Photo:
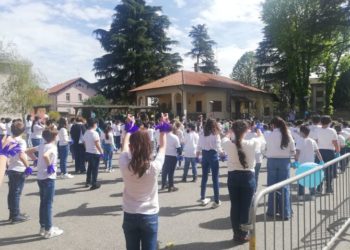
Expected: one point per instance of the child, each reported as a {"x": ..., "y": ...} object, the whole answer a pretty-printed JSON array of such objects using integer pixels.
[
  {"x": 93, "y": 153},
  {"x": 306, "y": 148},
  {"x": 63, "y": 148},
  {"x": 47, "y": 168},
  {"x": 342, "y": 145},
  {"x": 17, "y": 166},
  {"x": 140, "y": 195},
  {"x": 190, "y": 145},
  {"x": 108, "y": 147}
]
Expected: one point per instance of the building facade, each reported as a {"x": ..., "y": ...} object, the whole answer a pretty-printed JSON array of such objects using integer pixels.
[
  {"x": 65, "y": 96},
  {"x": 191, "y": 93},
  {"x": 318, "y": 93}
]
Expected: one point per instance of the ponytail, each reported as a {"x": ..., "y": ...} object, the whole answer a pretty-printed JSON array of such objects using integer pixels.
[
  {"x": 279, "y": 123},
  {"x": 239, "y": 128}
]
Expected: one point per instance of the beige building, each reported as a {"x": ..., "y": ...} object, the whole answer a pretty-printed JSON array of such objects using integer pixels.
[
  {"x": 65, "y": 96},
  {"x": 318, "y": 90},
  {"x": 191, "y": 94}
]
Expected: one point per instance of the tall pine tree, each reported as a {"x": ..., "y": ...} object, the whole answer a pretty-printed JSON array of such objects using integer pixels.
[
  {"x": 202, "y": 50},
  {"x": 138, "y": 50}
]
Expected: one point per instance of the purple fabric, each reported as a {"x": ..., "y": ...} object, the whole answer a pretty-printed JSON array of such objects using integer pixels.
[
  {"x": 11, "y": 149},
  {"x": 50, "y": 169},
  {"x": 164, "y": 127},
  {"x": 35, "y": 163},
  {"x": 131, "y": 128},
  {"x": 28, "y": 171},
  {"x": 180, "y": 158},
  {"x": 198, "y": 160},
  {"x": 223, "y": 157}
]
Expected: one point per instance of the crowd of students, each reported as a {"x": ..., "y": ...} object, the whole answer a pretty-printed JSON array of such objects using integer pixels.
[{"x": 151, "y": 148}]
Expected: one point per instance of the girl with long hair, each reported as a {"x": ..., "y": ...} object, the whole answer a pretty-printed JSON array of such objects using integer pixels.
[
  {"x": 63, "y": 147},
  {"x": 241, "y": 178},
  {"x": 190, "y": 145},
  {"x": 140, "y": 177},
  {"x": 280, "y": 147},
  {"x": 107, "y": 139},
  {"x": 209, "y": 145}
]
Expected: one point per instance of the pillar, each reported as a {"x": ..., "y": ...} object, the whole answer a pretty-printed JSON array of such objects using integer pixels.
[
  {"x": 173, "y": 103},
  {"x": 184, "y": 101}
]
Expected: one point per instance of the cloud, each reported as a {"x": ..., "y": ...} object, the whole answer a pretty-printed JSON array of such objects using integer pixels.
[
  {"x": 75, "y": 10},
  {"x": 180, "y": 3}
]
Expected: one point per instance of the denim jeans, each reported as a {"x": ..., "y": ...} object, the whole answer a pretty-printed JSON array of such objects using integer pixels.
[
  {"x": 79, "y": 155},
  {"x": 63, "y": 155},
  {"x": 47, "y": 192},
  {"x": 330, "y": 172},
  {"x": 278, "y": 169},
  {"x": 117, "y": 142},
  {"x": 16, "y": 183},
  {"x": 193, "y": 163},
  {"x": 210, "y": 161},
  {"x": 257, "y": 172},
  {"x": 35, "y": 143},
  {"x": 108, "y": 155},
  {"x": 93, "y": 161},
  {"x": 140, "y": 231},
  {"x": 241, "y": 187},
  {"x": 169, "y": 170}
]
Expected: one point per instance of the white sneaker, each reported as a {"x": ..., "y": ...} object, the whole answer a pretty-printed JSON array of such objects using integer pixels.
[
  {"x": 42, "y": 231},
  {"x": 67, "y": 176},
  {"x": 53, "y": 232},
  {"x": 216, "y": 205},
  {"x": 205, "y": 201}
]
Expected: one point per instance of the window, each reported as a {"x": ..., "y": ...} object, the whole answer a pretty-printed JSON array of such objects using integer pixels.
[
  {"x": 68, "y": 97},
  {"x": 80, "y": 97},
  {"x": 319, "y": 93},
  {"x": 199, "y": 106},
  {"x": 217, "y": 106}
]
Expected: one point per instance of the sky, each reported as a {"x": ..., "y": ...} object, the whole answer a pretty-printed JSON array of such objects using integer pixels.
[{"x": 57, "y": 35}]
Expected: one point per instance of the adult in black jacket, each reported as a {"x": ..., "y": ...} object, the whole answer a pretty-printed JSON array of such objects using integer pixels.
[{"x": 76, "y": 132}]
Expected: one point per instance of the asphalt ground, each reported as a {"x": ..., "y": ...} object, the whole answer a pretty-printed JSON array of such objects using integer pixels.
[{"x": 93, "y": 219}]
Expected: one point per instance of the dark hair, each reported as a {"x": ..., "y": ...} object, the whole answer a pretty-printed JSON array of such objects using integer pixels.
[
  {"x": 7, "y": 120},
  {"x": 62, "y": 123},
  {"x": 305, "y": 130},
  {"x": 79, "y": 119},
  {"x": 72, "y": 120},
  {"x": 49, "y": 134},
  {"x": 36, "y": 120},
  {"x": 316, "y": 119},
  {"x": 17, "y": 128},
  {"x": 211, "y": 127},
  {"x": 239, "y": 127},
  {"x": 91, "y": 122},
  {"x": 337, "y": 128},
  {"x": 141, "y": 151},
  {"x": 191, "y": 127},
  {"x": 279, "y": 123},
  {"x": 29, "y": 117},
  {"x": 107, "y": 130},
  {"x": 325, "y": 120},
  {"x": 345, "y": 124}
]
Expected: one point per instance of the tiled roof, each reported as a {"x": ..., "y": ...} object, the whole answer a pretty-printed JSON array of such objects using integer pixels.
[
  {"x": 197, "y": 79},
  {"x": 61, "y": 86}
]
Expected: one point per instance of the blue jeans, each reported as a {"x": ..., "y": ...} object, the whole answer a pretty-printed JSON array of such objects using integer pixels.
[
  {"x": 117, "y": 142},
  {"x": 35, "y": 143},
  {"x": 140, "y": 231},
  {"x": 108, "y": 155},
  {"x": 93, "y": 161},
  {"x": 63, "y": 154},
  {"x": 257, "y": 172},
  {"x": 193, "y": 163},
  {"x": 330, "y": 172},
  {"x": 16, "y": 183},
  {"x": 47, "y": 192},
  {"x": 278, "y": 169},
  {"x": 210, "y": 161},
  {"x": 169, "y": 170},
  {"x": 79, "y": 156},
  {"x": 241, "y": 187}
]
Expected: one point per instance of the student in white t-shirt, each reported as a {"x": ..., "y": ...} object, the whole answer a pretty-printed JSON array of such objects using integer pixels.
[
  {"x": 316, "y": 119},
  {"x": 191, "y": 139},
  {"x": 327, "y": 141},
  {"x": 2, "y": 128},
  {"x": 140, "y": 195},
  {"x": 8, "y": 123},
  {"x": 306, "y": 149},
  {"x": 37, "y": 130},
  {"x": 93, "y": 153},
  {"x": 342, "y": 145},
  {"x": 28, "y": 130},
  {"x": 108, "y": 147},
  {"x": 180, "y": 134}
]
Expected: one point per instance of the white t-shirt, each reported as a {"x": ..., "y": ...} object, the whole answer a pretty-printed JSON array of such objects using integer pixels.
[
  {"x": 325, "y": 138},
  {"x": 42, "y": 167},
  {"x": 250, "y": 148},
  {"x": 211, "y": 142},
  {"x": 116, "y": 129},
  {"x": 2, "y": 128},
  {"x": 172, "y": 143},
  {"x": 180, "y": 134},
  {"x": 190, "y": 144},
  {"x": 8, "y": 128},
  {"x": 63, "y": 138},
  {"x": 273, "y": 145},
  {"x": 89, "y": 138},
  {"x": 14, "y": 163},
  {"x": 38, "y": 131},
  {"x": 140, "y": 195},
  {"x": 313, "y": 131},
  {"x": 306, "y": 147},
  {"x": 110, "y": 139},
  {"x": 259, "y": 154},
  {"x": 341, "y": 141},
  {"x": 29, "y": 126},
  {"x": 151, "y": 133}
]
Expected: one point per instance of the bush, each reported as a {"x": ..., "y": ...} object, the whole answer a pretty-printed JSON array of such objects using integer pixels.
[{"x": 54, "y": 115}]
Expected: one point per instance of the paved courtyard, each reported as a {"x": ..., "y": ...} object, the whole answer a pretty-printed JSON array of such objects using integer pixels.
[{"x": 93, "y": 219}]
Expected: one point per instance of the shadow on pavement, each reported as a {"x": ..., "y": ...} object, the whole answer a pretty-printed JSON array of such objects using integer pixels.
[
  {"x": 228, "y": 244},
  {"x": 102, "y": 182},
  {"x": 20, "y": 240},
  {"x": 174, "y": 211},
  {"x": 217, "y": 224},
  {"x": 84, "y": 210},
  {"x": 64, "y": 191}
]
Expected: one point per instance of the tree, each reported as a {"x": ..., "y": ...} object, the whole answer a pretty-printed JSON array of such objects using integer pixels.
[
  {"x": 341, "y": 97},
  {"x": 99, "y": 112},
  {"x": 244, "y": 71},
  {"x": 20, "y": 91},
  {"x": 138, "y": 50},
  {"x": 202, "y": 50}
]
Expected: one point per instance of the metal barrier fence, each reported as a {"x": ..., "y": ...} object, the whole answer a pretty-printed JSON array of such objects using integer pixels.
[{"x": 316, "y": 222}]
